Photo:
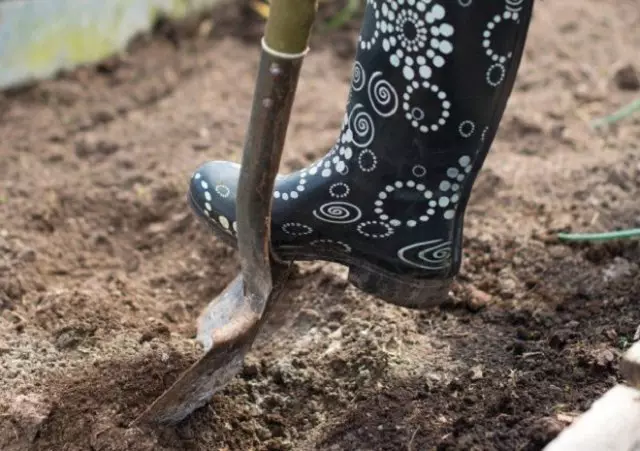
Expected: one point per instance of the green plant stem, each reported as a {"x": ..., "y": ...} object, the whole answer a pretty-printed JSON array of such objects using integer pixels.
[
  {"x": 618, "y": 115},
  {"x": 604, "y": 236}
]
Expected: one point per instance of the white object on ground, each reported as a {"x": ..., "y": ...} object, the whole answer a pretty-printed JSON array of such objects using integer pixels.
[{"x": 611, "y": 424}]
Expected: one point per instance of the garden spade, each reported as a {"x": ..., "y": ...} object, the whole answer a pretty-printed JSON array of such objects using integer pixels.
[{"x": 230, "y": 323}]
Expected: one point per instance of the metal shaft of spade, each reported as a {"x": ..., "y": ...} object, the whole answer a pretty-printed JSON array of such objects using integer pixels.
[
  {"x": 230, "y": 323},
  {"x": 283, "y": 48}
]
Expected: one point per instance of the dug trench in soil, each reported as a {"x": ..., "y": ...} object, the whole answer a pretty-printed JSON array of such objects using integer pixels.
[{"x": 103, "y": 269}]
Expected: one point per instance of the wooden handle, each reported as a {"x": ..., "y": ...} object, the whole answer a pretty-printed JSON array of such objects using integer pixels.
[{"x": 289, "y": 25}]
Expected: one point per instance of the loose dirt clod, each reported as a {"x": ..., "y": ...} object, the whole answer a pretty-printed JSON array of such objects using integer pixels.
[{"x": 103, "y": 269}]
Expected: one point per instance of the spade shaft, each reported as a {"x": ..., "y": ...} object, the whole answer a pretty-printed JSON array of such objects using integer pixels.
[
  {"x": 230, "y": 323},
  {"x": 260, "y": 163}
]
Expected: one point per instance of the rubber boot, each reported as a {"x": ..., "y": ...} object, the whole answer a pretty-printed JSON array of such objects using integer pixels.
[{"x": 429, "y": 87}]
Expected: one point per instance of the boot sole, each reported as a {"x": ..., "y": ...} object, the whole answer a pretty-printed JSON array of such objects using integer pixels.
[{"x": 420, "y": 294}]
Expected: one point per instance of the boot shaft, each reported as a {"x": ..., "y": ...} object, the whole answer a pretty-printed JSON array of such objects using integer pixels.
[
  {"x": 430, "y": 84},
  {"x": 429, "y": 87}
]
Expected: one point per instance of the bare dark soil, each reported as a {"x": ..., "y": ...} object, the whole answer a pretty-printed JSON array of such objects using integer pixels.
[{"x": 103, "y": 269}]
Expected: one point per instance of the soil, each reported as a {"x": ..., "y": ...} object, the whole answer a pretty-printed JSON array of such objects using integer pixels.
[{"x": 104, "y": 270}]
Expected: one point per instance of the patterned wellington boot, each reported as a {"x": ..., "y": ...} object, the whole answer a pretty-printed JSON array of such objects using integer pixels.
[{"x": 430, "y": 84}]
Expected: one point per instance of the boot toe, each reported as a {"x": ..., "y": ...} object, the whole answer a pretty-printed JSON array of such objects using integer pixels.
[{"x": 212, "y": 194}]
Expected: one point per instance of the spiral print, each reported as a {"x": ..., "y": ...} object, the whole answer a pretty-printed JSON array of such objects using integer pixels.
[
  {"x": 383, "y": 96},
  {"x": 359, "y": 77},
  {"x": 338, "y": 212},
  {"x": 514, "y": 5},
  {"x": 361, "y": 126},
  {"x": 433, "y": 254}
]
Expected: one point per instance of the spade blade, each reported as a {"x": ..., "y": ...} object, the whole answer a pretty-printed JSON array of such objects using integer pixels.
[{"x": 227, "y": 329}]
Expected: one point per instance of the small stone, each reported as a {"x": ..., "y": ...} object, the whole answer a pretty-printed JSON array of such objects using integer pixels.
[
  {"x": 627, "y": 78},
  {"x": 477, "y": 300}
]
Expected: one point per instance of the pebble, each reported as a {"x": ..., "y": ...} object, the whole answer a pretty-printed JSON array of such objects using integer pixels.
[
  {"x": 627, "y": 78},
  {"x": 477, "y": 300}
]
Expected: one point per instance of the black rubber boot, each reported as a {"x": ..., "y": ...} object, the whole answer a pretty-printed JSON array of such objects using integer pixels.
[{"x": 430, "y": 84}]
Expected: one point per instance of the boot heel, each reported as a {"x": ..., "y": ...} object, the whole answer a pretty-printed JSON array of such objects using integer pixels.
[{"x": 404, "y": 292}]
